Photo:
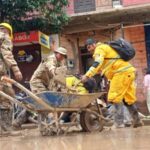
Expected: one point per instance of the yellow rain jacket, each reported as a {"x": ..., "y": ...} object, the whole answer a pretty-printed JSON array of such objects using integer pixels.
[
  {"x": 120, "y": 73},
  {"x": 72, "y": 81}
]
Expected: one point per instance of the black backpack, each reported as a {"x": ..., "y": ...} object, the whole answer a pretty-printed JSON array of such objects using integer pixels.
[{"x": 123, "y": 48}]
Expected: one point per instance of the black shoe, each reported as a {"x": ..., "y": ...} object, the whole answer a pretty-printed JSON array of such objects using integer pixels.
[
  {"x": 128, "y": 125},
  {"x": 139, "y": 124}
]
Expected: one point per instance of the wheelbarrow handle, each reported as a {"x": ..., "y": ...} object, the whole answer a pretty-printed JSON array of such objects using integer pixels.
[
  {"x": 32, "y": 95},
  {"x": 7, "y": 79},
  {"x": 13, "y": 100}
]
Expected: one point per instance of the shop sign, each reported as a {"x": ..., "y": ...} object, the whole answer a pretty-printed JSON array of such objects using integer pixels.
[
  {"x": 26, "y": 37},
  {"x": 32, "y": 36},
  {"x": 44, "y": 40},
  {"x": 21, "y": 56}
]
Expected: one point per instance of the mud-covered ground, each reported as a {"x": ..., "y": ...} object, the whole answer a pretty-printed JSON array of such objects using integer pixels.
[{"x": 116, "y": 139}]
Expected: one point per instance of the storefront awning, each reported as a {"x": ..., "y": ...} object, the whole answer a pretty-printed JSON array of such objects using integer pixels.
[{"x": 31, "y": 37}]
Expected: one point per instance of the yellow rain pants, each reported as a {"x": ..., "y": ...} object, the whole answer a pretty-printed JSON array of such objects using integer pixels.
[{"x": 122, "y": 86}]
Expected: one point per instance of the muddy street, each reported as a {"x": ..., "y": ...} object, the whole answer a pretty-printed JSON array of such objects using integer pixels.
[{"x": 117, "y": 139}]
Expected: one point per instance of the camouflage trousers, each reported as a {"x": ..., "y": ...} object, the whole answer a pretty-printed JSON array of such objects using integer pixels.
[{"x": 5, "y": 120}]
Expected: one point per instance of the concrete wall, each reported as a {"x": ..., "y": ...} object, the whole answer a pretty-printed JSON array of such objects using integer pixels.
[
  {"x": 134, "y": 2},
  {"x": 70, "y": 8}
]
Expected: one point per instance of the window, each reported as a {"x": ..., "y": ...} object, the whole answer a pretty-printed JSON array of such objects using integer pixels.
[
  {"x": 116, "y": 3},
  {"x": 84, "y": 6}
]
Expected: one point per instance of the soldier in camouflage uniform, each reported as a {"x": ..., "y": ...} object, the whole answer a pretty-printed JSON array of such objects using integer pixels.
[
  {"x": 45, "y": 78},
  {"x": 7, "y": 61}
]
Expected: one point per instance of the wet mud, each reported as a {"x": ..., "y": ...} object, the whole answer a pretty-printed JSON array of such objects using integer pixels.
[{"x": 116, "y": 139}]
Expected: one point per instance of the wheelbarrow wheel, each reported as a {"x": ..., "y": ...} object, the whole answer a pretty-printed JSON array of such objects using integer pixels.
[
  {"x": 90, "y": 122},
  {"x": 47, "y": 132},
  {"x": 45, "y": 129}
]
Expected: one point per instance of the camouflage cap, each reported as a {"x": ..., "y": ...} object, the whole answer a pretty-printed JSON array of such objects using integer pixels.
[{"x": 61, "y": 50}]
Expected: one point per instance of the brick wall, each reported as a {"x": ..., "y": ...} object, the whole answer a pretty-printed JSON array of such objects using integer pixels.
[
  {"x": 136, "y": 35},
  {"x": 70, "y": 43},
  {"x": 98, "y": 35},
  {"x": 79, "y": 41},
  {"x": 102, "y": 5}
]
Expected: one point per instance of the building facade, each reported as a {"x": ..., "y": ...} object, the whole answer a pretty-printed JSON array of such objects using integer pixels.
[
  {"x": 106, "y": 20},
  {"x": 103, "y": 20}
]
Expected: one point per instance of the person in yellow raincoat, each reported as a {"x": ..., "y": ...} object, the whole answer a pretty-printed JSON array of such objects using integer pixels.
[
  {"x": 120, "y": 73},
  {"x": 74, "y": 82}
]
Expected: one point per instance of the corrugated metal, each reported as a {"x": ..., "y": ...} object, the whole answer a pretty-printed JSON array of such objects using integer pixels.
[{"x": 134, "y": 2}]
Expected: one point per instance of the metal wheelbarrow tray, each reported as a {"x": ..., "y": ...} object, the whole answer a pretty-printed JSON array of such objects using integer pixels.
[{"x": 83, "y": 105}]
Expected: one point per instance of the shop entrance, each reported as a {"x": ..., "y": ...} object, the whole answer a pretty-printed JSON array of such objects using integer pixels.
[
  {"x": 28, "y": 58},
  {"x": 86, "y": 59}
]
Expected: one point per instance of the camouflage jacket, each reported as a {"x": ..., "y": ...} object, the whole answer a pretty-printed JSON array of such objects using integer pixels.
[
  {"x": 45, "y": 70},
  {"x": 6, "y": 57}
]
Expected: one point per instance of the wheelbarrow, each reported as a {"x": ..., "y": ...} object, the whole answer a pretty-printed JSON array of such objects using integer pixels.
[{"x": 83, "y": 106}]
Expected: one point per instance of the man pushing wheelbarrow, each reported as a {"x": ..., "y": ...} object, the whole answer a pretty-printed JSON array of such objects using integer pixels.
[{"x": 57, "y": 102}]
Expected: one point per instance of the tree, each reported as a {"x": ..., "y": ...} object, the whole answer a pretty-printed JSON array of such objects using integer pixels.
[{"x": 45, "y": 15}]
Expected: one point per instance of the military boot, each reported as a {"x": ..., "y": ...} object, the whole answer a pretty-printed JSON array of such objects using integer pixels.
[
  {"x": 137, "y": 122},
  {"x": 5, "y": 121}
]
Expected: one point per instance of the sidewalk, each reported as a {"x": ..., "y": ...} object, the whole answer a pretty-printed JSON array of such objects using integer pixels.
[{"x": 146, "y": 121}]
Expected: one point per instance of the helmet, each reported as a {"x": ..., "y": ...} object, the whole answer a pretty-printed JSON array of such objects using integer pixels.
[
  {"x": 90, "y": 41},
  {"x": 61, "y": 50},
  {"x": 9, "y": 27}
]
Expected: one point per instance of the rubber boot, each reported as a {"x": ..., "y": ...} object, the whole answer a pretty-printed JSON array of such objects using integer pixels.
[
  {"x": 134, "y": 114},
  {"x": 118, "y": 116}
]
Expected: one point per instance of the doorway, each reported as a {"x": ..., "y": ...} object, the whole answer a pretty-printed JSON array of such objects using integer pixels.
[
  {"x": 86, "y": 60},
  {"x": 28, "y": 58}
]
